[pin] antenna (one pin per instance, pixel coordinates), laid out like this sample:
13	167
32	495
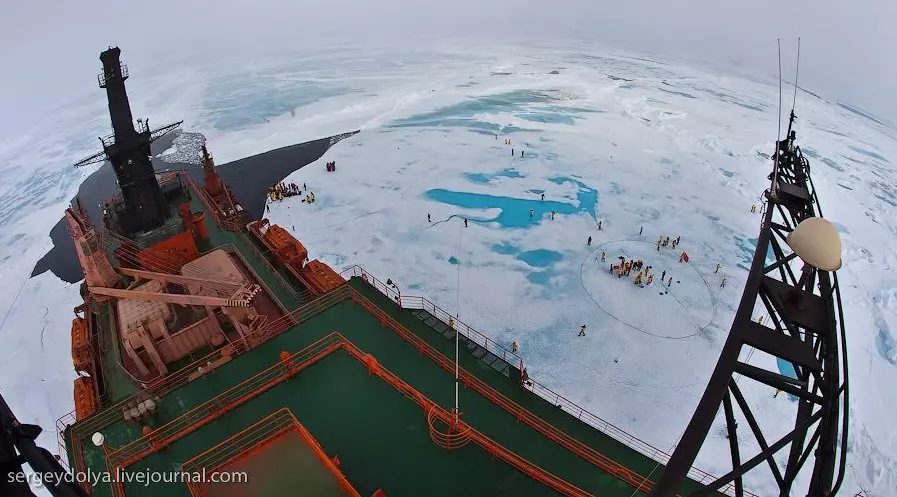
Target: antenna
796	72
774	189
794	100
457	315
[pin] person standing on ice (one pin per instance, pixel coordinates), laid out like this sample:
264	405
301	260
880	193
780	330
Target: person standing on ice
582	331
531	212
465	222
428	218
512	152
589	241
602	256
521	154
723	284
677	239
663	275
640	230
670	283
650	279
552	215
717	268
599	225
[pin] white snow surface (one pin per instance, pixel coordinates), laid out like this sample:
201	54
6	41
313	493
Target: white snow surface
672	147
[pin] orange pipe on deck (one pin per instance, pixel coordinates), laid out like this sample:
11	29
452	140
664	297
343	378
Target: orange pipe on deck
185	215
199	221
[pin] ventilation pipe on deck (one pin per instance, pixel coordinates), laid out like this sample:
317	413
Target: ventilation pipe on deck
199	221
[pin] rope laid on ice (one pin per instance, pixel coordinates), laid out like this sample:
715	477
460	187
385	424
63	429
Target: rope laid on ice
688	315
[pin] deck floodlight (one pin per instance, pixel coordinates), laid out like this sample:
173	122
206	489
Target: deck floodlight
816	241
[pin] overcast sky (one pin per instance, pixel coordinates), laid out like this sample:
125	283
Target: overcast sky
49	48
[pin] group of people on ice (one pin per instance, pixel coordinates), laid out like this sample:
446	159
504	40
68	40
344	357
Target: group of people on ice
664	242
643	277
508	142
331	166
283	190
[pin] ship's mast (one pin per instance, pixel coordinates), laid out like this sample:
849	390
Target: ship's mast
128	150
793	277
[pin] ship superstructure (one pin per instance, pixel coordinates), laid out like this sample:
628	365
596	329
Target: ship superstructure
209	343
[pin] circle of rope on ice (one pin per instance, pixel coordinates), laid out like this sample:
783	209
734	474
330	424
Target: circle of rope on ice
687	314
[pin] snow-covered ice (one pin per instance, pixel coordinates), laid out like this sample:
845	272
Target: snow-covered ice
671	148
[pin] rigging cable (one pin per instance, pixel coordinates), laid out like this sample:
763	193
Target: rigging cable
774	189
796	72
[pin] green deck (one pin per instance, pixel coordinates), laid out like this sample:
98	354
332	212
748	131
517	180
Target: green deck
379	435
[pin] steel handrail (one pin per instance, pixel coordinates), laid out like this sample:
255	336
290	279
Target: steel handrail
416	302
213	408
161	386
537	388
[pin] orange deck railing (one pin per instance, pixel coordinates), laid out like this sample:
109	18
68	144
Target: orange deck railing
162	386
254	439
413	302
270	329
449	419
220	218
607	464
207	412
238	230
212	409
618	434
